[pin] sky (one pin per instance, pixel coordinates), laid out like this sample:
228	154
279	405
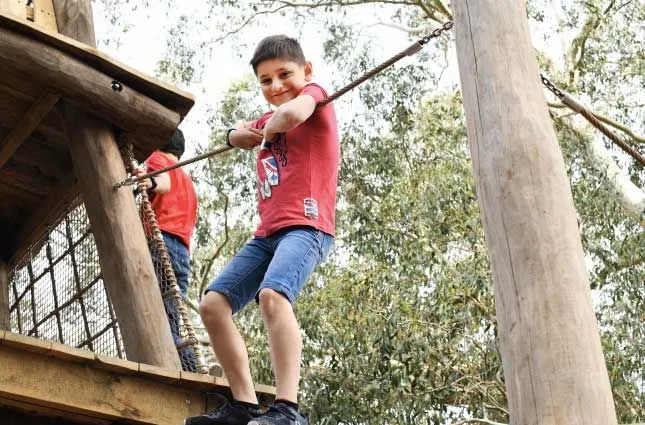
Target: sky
144	43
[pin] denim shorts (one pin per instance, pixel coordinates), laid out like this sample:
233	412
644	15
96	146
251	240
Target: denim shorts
282	262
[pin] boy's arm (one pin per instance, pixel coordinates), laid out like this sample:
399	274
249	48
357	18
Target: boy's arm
289	115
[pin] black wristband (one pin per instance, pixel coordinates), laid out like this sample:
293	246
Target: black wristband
154	183
228	135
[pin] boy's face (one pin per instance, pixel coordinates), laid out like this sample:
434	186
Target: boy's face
282	80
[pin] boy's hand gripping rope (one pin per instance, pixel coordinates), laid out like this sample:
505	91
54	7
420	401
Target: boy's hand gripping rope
413	49
578	107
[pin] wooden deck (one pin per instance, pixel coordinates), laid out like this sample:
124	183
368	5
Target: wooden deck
39	71
44	378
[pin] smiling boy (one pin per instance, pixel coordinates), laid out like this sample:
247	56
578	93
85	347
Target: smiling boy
297	173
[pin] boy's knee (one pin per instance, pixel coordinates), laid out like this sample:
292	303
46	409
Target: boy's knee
214	305
272	302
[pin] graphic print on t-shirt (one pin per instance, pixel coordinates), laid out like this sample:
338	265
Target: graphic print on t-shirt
268	175
270	166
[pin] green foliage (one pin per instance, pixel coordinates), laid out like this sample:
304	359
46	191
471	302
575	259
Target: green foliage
400	322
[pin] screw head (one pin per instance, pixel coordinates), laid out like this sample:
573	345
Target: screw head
116	86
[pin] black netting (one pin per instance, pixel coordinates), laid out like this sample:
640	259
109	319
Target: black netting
57	291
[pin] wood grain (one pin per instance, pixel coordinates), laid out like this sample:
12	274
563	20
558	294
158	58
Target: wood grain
554	368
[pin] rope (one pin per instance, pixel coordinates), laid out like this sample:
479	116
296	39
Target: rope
166	274
413	49
578	107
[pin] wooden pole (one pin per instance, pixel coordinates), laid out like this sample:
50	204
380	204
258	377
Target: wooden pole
125	260
5	321
554	368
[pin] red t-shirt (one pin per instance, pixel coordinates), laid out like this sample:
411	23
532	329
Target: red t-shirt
176	210
297	175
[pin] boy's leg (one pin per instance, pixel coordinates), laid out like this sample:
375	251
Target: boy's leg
235	287
180	261
229	347
297	252
285	343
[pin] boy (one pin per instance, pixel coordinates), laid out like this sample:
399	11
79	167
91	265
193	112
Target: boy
297	173
174	202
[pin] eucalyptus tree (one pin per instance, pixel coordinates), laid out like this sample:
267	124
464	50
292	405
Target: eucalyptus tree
400	323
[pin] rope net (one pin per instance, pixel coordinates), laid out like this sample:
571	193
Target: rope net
57	292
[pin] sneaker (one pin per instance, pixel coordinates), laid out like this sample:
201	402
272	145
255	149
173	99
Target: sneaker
280	414
225	414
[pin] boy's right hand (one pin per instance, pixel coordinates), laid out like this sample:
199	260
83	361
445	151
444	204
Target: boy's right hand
245	138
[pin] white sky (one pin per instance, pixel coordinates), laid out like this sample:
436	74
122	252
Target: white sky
144	44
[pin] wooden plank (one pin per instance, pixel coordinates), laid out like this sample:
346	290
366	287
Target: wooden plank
15	412
14	8
88	88
550	346
13	82
25	126
167	95
44	15
4	296
37	157
76	388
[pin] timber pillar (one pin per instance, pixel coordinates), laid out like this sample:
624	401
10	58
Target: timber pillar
125	260
4	296
554	368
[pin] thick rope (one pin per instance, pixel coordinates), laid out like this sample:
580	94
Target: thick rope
414	48
167	274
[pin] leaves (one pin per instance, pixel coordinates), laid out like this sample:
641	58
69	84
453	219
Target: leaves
400	322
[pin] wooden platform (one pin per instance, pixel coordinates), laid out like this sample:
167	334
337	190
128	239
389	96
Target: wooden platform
40	70
57	381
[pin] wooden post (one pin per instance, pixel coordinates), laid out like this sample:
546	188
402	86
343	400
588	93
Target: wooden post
125	260
5	321
554	368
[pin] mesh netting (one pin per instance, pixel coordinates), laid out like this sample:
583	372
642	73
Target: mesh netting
57	291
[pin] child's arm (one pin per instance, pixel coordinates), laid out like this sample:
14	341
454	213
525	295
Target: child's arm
289	115
245	136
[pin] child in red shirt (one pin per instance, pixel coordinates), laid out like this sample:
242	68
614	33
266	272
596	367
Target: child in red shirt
297	173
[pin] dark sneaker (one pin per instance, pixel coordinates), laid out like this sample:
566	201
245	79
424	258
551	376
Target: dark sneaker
280	414
225	414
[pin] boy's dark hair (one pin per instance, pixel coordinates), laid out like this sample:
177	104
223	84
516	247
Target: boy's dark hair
277	47
176	145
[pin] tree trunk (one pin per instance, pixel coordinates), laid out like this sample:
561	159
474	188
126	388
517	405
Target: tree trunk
553	363
125	260
5	322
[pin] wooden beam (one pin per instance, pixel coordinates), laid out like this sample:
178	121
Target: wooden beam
167	95
50	376
554	368
125	260
89	89
5	321
14	8
25	126
44	15
123	251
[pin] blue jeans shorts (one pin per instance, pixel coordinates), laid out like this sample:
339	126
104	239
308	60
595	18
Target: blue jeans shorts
282	262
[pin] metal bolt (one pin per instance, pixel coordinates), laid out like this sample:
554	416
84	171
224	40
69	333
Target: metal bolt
116	86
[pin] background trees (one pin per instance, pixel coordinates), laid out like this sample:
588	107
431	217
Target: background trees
400	323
